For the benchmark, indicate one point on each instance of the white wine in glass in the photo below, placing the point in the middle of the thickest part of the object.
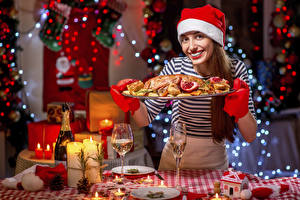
(122, 141)
(178, 140)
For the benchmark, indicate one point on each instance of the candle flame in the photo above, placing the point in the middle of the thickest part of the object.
(119, 190)
(217, 195)
(96, 194)
(91, 139)
(38, 146)
(48, 147)
(161, 182)
(148, 177)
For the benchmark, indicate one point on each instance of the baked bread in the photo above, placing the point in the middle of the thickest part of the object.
(177, 85)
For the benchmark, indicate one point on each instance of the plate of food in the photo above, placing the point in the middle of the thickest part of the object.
(157, 193)
(130, 170)
(178, 86)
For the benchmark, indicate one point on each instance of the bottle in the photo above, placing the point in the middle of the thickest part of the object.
(65, 136)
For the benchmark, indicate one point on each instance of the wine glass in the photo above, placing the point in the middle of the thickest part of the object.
(122, 141)
(178, 141)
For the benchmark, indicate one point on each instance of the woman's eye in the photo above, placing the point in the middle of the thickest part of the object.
(199, 36)
(184, 39)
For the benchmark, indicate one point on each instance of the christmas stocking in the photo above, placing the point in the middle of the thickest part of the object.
(269, 191)
(107, 19)
(52, 29)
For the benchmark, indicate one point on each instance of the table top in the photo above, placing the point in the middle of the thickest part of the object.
(196, 181)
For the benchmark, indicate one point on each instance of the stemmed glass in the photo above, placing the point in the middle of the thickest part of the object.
(178, 141)
(122, 141)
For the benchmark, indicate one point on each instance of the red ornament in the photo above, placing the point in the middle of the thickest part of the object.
(154, 26)
(292, 59)
(159, 6)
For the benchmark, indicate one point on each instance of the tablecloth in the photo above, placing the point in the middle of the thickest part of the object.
(196, 181)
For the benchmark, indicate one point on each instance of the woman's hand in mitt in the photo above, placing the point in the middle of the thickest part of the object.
(125, 103)
(236, 103)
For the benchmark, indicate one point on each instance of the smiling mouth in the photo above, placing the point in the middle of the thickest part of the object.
(196, 55)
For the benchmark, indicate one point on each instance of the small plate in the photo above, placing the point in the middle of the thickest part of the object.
(141, 193)
(185, 97)
(142, 170)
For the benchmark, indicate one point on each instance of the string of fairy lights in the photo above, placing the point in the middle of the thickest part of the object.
(162, 121)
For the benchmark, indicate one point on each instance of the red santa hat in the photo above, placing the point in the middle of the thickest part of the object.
(206, 19)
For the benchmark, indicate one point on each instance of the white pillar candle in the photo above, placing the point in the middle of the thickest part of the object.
(90, 148)
(74, 167)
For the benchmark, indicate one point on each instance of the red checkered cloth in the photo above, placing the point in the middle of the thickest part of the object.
(198, 183)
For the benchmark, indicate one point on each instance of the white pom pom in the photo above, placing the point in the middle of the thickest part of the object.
(31, 182)
(246, 194)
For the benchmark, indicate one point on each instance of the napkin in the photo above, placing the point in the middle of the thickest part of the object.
(48, 173)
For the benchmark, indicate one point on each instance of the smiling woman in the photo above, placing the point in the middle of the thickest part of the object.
(209, 121)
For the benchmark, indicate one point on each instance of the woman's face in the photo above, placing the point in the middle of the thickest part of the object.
(197, 46)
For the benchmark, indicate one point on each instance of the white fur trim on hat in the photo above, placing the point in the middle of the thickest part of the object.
(202, 26)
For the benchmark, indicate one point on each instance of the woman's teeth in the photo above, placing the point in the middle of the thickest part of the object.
(196, 54)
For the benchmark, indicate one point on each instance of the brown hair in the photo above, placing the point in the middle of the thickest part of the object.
(222, 123)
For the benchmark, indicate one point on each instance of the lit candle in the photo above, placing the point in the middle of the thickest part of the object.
(148, 180)
(162, 184)
(118, 180)
(54, 144)
(106, 125)
(90, 149)
(216, 197)
(39, 152)
(48, 152)
(96, 197)
(74, 167)
(119, 193)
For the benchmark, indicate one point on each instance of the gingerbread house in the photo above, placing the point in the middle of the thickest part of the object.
(233, 183)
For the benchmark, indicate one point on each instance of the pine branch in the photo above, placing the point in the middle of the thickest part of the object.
(83, 161)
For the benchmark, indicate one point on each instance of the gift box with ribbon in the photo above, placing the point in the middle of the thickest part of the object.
(46, 133)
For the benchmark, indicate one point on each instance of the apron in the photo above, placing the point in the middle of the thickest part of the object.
(199, 153)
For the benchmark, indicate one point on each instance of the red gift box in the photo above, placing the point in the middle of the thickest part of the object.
(46, 133)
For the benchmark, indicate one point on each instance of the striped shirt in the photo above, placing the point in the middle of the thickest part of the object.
(196, 112)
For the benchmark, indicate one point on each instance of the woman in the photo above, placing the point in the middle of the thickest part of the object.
(201, 33)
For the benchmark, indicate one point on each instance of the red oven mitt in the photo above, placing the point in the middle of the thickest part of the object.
(125, 103)
(48, 173)
(236, 103)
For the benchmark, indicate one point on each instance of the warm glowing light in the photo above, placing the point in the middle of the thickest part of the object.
(48, 147)
(38, 146)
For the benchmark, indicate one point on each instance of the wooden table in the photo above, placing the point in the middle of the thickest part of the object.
(196, 181)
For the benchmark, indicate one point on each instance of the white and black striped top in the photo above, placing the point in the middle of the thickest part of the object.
(194, 112)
